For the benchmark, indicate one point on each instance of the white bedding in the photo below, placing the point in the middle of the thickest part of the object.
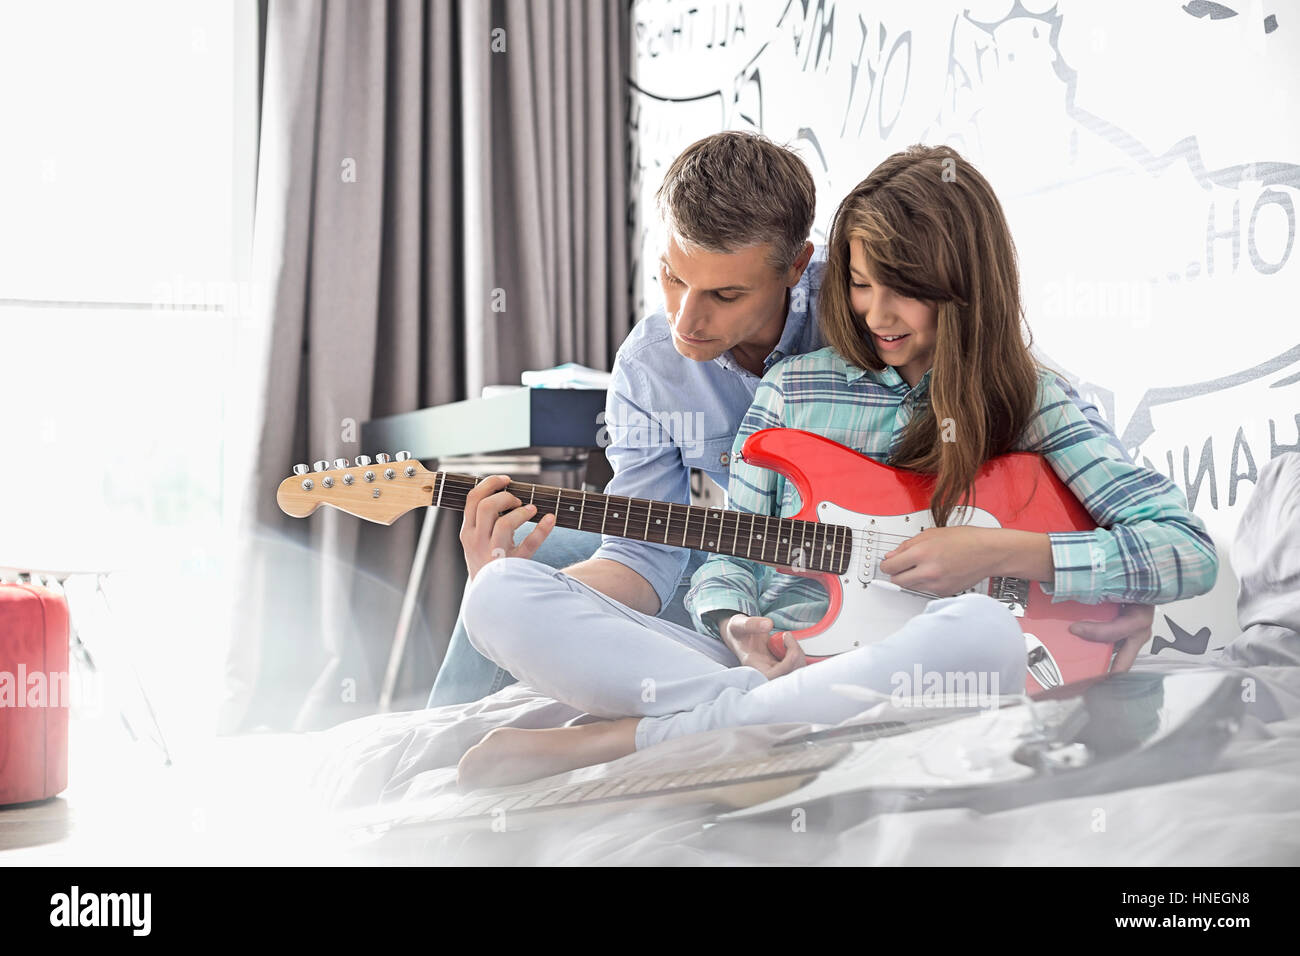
(1245, 811)
(276, 799)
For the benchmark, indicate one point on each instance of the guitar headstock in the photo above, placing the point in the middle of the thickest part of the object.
(380, 491)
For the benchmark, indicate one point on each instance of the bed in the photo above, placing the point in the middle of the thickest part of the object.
(297, 799)
(1242, 807)
(1242, 810)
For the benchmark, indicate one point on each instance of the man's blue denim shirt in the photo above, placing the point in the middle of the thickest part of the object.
(666, 414)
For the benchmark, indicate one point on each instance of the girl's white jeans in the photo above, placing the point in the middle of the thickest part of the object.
(575, 644)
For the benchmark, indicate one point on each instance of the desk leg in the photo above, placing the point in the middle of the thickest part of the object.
(408, 609)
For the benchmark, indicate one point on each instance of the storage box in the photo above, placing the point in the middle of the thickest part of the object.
(34, 693)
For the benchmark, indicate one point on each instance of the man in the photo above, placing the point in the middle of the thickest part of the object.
(740, 286)
(740, 282)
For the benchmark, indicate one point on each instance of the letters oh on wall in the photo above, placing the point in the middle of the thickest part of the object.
(1147, 156)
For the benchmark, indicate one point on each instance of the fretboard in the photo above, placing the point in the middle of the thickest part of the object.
(784, 542)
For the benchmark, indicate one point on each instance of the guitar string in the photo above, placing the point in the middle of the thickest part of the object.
(835, 543)
(857, 533)
(639, 502)
(552, 494)
(857, 536)
(799, 525)
(694, 522)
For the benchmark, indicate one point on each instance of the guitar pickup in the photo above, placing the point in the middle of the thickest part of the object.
(870, 559)
(1012, 592)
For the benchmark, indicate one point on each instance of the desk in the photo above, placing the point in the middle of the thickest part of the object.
(526, 418)
(561, 426)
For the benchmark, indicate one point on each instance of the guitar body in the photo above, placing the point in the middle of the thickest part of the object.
(885, 505)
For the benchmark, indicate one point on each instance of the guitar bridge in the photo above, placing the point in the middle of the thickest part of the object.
(1012, 592)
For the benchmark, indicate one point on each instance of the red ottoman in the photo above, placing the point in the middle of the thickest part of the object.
(34, 693)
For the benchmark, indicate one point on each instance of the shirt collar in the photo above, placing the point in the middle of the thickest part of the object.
(794, 336)
(889, 377)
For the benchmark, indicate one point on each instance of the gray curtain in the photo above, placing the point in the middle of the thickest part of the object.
(413, 158)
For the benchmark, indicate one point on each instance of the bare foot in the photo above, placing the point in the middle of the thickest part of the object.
(510, 755)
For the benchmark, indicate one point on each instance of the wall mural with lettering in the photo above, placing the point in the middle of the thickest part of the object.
(1147, 155)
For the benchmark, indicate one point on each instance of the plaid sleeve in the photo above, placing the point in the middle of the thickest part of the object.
(724, 583)
(1148, 548)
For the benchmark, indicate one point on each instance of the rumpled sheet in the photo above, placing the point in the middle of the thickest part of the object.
(1246, 810)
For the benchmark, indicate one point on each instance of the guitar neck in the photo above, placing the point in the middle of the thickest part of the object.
(782, 542)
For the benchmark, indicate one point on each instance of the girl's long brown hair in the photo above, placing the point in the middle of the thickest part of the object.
(933, 230)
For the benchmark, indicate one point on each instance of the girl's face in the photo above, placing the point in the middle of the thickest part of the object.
(903, 330)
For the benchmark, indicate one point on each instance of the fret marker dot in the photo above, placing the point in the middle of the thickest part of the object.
(615, 514)
(570, 507)
(658, 521)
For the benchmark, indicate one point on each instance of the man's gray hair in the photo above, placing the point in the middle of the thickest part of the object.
(734, 190)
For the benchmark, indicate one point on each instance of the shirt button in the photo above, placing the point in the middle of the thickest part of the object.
(725, 459)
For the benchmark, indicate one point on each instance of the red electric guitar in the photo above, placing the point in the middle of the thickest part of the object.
(855, 511)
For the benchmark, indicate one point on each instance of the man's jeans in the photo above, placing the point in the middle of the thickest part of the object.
(466, 675)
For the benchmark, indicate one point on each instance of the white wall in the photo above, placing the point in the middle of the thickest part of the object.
(1148, 160)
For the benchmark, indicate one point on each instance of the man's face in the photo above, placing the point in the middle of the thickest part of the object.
(718, 300)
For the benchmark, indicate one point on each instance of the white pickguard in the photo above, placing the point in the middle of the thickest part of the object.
(871, 612)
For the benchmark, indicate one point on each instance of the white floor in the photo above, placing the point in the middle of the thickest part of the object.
(227, 801)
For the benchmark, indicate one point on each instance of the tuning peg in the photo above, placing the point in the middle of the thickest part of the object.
(301, 469)
(340, 462)
(383, 459)
(403, 456)
(363, 460)
(321, 465)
